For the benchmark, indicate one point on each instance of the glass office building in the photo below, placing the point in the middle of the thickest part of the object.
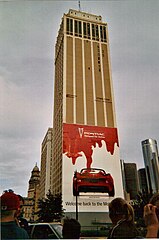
(151, 159)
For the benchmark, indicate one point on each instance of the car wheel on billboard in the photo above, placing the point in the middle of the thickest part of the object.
(112, 193)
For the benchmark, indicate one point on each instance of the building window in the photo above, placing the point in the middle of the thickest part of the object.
(67, 22)
(95, 32)
(104, 30)
(103, 33)
(69, 26)
(78, 28)
(86, 30)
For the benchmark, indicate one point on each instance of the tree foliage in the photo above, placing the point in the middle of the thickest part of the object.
(50, 208)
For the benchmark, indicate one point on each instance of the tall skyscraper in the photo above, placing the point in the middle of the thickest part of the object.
(46, 159)
(84, 122)
(131, 179)
(143, 180)
(151, 159)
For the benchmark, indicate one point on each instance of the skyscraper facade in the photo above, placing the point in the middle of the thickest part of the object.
(131, 179)
(84, 122)
(151, 160)
(46, 159)
(143, 180)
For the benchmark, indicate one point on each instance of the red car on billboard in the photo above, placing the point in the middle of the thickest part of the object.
(93, 180)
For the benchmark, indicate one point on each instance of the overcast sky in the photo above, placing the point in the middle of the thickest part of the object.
(28, 31)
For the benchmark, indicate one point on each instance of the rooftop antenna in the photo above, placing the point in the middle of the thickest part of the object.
(79, 5)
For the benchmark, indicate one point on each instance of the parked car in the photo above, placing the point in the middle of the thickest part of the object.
(45, 230)
(93, 180)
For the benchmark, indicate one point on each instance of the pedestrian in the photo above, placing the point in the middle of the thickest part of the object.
(10, 205)
(151, 217)
(122, 216)
(21, 221)
(71, 229)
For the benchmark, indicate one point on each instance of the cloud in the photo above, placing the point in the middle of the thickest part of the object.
(25, 115)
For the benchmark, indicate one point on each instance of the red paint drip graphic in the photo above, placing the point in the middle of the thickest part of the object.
(82, 138)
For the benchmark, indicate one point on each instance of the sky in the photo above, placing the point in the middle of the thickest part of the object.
(28, 31)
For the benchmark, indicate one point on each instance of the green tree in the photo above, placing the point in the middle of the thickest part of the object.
(50, 208)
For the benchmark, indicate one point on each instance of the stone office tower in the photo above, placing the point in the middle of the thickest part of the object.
(83, 92)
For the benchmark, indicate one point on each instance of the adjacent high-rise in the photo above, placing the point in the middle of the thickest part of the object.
(143, 180)
(131, 179)
(46, 160)
(151, 159)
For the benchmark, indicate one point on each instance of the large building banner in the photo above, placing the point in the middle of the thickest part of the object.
(91, 167)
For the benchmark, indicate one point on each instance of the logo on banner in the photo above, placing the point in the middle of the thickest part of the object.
(80, 132)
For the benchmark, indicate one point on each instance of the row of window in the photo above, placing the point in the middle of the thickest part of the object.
(90, 30)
